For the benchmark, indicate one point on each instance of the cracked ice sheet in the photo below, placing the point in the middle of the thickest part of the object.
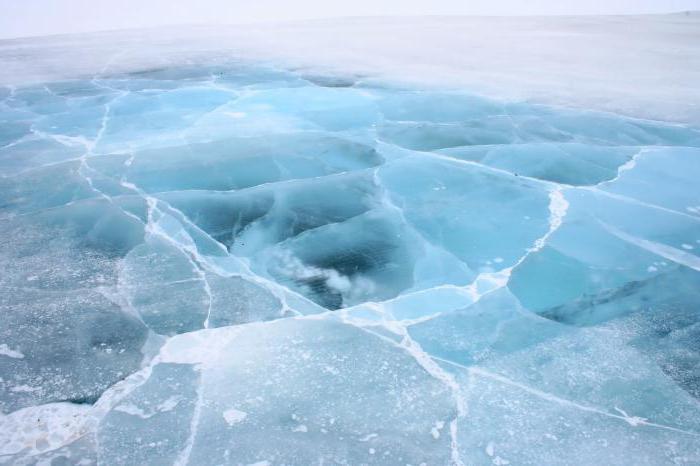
(478, 243)
(508, 423)
(320, 391)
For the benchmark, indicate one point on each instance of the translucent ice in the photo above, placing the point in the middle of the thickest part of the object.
(233, 263)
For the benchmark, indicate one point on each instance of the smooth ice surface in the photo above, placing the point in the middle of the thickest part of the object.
(235, 263)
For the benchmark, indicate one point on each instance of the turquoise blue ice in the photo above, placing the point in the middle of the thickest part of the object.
(237, 264)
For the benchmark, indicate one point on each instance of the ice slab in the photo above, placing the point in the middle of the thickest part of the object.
(313, 388)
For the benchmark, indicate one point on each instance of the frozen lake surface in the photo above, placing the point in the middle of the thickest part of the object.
(209, 259)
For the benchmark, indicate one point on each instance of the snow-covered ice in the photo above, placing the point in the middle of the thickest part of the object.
(210, 259)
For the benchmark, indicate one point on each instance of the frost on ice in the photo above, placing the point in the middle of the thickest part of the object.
(237, 264)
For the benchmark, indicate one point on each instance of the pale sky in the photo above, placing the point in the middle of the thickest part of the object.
(40, 17)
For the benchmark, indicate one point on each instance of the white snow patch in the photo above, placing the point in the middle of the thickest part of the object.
(490, 449)
(5, 350)
(37, 429)
(234, 416)
(24, 389)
